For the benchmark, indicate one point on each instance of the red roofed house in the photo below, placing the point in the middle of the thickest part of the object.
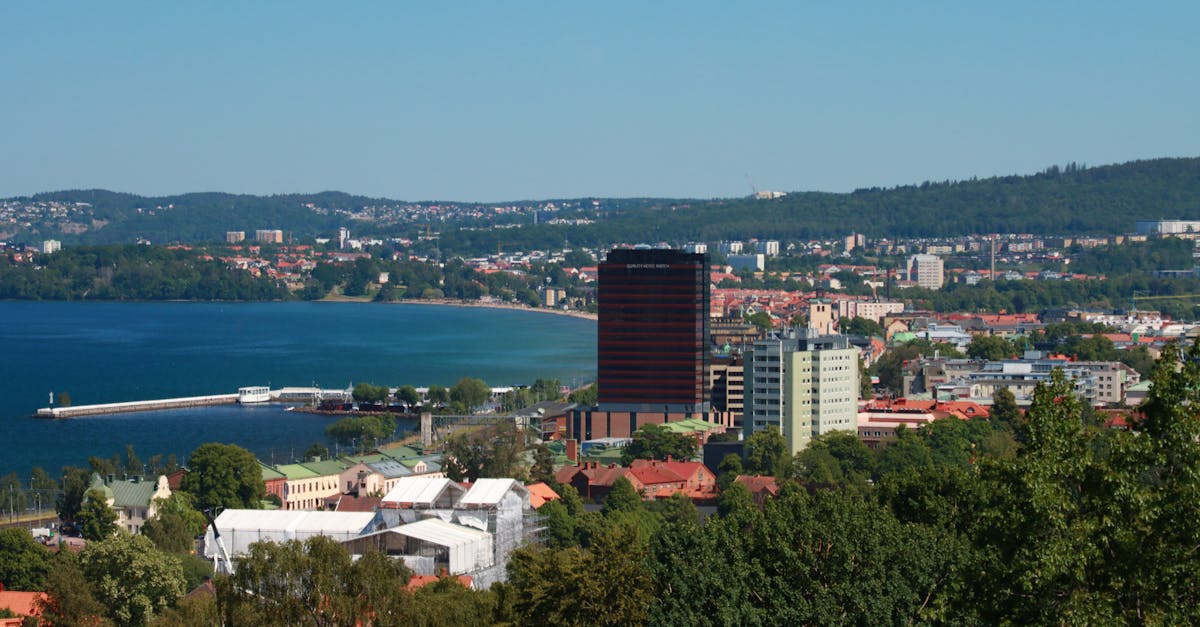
(652, 479)
(698, 482)
(878, 420)
(20, 603)
(540, 494)
(761, 488)
(594, 481)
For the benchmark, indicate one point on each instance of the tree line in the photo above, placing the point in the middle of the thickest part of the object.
(131, 272)
(1045, 517)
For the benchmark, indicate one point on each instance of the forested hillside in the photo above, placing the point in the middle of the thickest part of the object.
(1072, 200)
(132, 273)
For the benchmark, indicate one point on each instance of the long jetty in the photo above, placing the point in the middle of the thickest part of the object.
(132, 406)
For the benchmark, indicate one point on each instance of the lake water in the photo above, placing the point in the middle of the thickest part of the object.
(111, 352)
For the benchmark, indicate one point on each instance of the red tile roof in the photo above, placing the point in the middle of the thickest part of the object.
(420, 581)
(20, 603)
(759, 484)
(540, 494)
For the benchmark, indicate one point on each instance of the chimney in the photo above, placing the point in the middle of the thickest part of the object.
(573, 450)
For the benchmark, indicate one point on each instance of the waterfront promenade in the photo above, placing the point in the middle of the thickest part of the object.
(132, 406)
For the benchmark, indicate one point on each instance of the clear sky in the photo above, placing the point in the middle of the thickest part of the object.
(492, 101)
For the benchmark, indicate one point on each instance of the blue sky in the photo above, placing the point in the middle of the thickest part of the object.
(520, 100)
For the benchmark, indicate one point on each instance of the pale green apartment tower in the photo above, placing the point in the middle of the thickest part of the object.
(804, 384)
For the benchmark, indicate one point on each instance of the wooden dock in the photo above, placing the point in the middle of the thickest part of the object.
(132, 406)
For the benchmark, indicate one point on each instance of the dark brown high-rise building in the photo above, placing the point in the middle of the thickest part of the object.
(652, 352)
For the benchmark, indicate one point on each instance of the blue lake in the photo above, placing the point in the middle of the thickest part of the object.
(110, 352)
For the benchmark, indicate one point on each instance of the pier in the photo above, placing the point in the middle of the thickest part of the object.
(132, 406)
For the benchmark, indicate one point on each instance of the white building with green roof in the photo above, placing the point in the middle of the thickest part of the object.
(132, 499)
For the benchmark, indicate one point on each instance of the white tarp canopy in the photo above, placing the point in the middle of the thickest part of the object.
(430, 544)
(240, 528)
(470, 549)
(489, 492)
(421, 491)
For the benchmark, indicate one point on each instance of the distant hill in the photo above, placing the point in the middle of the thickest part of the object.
(1060, 200)
(1069, 200)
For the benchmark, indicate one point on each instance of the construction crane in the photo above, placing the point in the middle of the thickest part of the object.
(222, 552)
(753, 189)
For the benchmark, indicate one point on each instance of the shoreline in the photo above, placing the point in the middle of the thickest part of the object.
(449, 302)
(454, 302)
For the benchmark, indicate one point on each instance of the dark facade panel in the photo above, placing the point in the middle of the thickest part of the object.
(653, 330)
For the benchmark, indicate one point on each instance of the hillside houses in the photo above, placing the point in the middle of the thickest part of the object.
(652, 478)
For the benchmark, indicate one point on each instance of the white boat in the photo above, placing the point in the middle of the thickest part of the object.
(254, 394)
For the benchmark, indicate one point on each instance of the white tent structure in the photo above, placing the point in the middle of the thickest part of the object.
(431, 546)
(490, 492)
(240, 528)
(423, 492)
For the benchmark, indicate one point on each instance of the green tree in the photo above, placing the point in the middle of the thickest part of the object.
(678, 509)
(41, 481)
(543, 464)
(890, 366)
(313, 583)
(24, 562)
(361, 431)
(367, 393)
(75, 484)
(805, 559)
(96, 519)
(736, 498)
(438, 394)
(316, 450)
(907, 450)
(990, 347)
(653, 441)
(728, 470)
(767, 453)
(762, 320)
(131, 578)
(133, 464)
(1139, 359)
(12, 497)
(224, 475)
(70, 598)
(1096, 525)
(860, 326)
(176, 523)
(559, 525)
(447, 602)
(408, 395)
(546, 390)
(606, 584)
(584, 396)
(498, 451)
(622, 498)
(469, 393)
(1004, 408)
